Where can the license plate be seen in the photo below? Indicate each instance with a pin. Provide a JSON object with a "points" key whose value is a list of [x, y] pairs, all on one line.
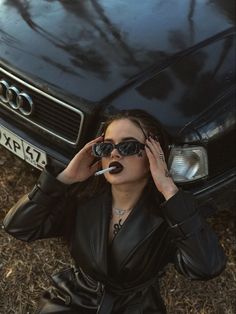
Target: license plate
{"points": [[34, 156]]}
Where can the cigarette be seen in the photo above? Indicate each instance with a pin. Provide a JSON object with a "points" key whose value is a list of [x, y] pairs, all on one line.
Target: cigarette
{"points": [[104, 170]]}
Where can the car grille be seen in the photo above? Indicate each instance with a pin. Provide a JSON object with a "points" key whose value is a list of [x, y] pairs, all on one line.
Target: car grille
{"points": [[50, 114]]}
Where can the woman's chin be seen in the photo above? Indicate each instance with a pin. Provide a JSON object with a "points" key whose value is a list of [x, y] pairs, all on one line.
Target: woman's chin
{"points": [[115, 178], [121, 179]]}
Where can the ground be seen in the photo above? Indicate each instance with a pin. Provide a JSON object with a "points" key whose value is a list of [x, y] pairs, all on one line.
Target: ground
{"points": [[24, 268]]}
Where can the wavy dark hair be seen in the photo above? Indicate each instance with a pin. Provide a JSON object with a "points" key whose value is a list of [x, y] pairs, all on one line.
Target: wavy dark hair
{"points": [[149, 126]]}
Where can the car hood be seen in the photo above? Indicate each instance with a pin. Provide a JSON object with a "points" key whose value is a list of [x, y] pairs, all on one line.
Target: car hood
{"points": [[89, 51]]}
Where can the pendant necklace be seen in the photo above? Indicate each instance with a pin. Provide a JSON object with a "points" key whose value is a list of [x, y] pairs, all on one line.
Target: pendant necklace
{"points": [[120, 213]]}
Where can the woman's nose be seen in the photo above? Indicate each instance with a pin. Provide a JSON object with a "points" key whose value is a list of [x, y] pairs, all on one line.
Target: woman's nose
{"points": [[115, 153]]}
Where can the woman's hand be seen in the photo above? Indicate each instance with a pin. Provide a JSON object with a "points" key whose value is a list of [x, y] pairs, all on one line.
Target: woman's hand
{"points": [[82, 166], [158, 168]]}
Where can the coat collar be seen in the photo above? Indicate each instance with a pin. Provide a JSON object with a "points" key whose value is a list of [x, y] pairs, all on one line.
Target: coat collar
{"points": [[139, 225]]}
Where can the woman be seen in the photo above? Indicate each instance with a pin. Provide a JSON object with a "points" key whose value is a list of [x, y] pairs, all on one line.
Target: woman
{"points": [[121, 231]]}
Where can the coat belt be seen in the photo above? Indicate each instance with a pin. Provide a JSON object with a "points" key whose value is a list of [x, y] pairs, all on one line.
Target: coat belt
{"points": [[110, 293]]}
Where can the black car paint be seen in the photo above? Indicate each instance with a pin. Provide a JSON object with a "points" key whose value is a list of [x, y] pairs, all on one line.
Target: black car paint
{"points": [[173, 58]]}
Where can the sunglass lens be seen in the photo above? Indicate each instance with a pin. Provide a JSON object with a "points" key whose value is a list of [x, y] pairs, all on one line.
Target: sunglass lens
{"points": [[106, 149], [128, 148], [102, 149]]}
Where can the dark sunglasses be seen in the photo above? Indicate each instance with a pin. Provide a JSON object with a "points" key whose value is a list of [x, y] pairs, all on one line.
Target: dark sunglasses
{"points": [[127, 148]]}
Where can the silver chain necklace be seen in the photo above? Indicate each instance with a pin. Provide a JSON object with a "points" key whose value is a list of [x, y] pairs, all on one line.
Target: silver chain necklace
{"points": [[120, 212]]}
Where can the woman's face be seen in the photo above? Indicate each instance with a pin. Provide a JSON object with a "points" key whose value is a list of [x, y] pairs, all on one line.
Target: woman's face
{"points": [[135, 167]]}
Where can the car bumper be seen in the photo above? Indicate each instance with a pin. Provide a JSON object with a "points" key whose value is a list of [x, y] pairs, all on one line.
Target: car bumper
{"points": [[219, 191]]}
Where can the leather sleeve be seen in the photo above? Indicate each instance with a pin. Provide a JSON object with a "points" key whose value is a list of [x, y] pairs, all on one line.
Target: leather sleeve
{"points": [[198, 253], [41, 213]]}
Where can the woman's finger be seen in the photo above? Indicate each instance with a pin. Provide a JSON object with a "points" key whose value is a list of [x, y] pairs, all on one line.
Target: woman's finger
{"points": [[156, 146], [96, 166], [149, 153], [157, 150], [153, 148], [156, 157], [97, 139], [151, 157], [88, 147]]}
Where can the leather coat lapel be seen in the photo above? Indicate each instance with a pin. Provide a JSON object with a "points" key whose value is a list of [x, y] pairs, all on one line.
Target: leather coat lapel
{"points": [[139, 225], [94, 221]]}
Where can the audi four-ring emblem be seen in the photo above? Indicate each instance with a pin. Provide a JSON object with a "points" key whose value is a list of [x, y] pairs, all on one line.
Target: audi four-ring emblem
{"points": [[16, 99]]}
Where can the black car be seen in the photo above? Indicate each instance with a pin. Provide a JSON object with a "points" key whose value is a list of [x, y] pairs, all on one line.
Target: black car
{"points": [[66, 65]]}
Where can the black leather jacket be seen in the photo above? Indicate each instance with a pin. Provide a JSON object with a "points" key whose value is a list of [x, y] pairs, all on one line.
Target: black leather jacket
{"points": [[121, 277]]}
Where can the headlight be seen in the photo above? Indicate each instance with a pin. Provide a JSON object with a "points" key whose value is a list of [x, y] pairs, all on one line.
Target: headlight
{"points": [[188, 163]]}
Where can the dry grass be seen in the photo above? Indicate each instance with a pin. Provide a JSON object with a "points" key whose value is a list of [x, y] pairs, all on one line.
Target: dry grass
{"points": [[24, 267]]}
